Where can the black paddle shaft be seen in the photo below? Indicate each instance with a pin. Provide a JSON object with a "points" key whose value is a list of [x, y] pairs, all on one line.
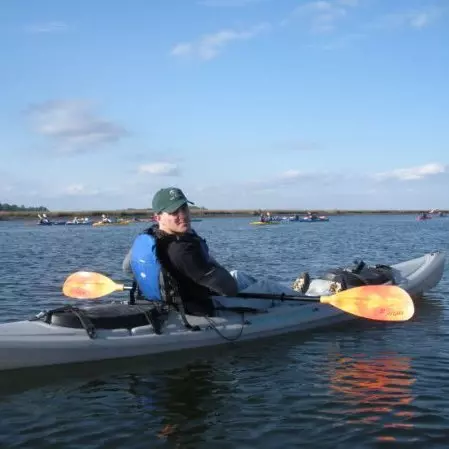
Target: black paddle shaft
{"points": [[281, 297]]}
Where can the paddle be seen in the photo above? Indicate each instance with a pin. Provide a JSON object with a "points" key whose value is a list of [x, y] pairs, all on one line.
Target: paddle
{"points": [[375, 302], [90, 285]]}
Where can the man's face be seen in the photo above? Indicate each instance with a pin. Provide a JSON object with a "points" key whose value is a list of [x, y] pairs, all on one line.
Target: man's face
{"points": [[178, 222]]}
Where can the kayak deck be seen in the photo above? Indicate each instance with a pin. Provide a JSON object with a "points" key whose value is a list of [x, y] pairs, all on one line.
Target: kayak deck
{"points": [[414, 275]]}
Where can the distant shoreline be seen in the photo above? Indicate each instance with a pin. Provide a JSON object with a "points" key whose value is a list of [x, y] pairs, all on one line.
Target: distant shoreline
{"points": [[197, 213]]}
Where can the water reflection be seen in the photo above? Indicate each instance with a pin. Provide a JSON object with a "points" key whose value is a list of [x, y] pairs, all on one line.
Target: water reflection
{"points": [[178, 405], [377, 391]]}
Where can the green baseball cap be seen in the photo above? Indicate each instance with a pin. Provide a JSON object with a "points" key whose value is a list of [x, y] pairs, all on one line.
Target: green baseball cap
{"points": [[168, 200]]}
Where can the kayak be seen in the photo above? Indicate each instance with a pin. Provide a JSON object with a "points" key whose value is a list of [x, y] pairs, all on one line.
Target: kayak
{"points": [[119, 330], [114, 223], [80, 223], [52, 223], [261, 223], [312, 220], [65, 223]]}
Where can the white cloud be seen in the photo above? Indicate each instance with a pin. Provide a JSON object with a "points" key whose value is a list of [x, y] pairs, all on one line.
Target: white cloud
{"points": [[210, 45], [416, 19], [73, 125], [421, 20], [48, 27], [159, 169], [322, 16], [74, 189], [291, 174], [79, 189], [413, 173]]}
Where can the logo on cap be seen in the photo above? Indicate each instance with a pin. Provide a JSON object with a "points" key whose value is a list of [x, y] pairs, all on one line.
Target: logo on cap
{"points": [[174, 194]]}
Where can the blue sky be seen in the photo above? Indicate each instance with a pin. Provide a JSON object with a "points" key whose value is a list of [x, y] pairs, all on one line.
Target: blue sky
{"points": [[241, 103]]}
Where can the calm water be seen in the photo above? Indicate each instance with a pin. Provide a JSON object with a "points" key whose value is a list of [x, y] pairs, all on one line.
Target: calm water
{"points": [[361, 385]]}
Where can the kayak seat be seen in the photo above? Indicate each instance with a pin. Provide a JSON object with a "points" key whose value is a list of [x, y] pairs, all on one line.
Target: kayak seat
{"points": [[104, 316]]}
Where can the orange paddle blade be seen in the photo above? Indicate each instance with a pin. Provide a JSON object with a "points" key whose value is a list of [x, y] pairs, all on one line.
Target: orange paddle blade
{"points": [[89, 285], [375, 302]]}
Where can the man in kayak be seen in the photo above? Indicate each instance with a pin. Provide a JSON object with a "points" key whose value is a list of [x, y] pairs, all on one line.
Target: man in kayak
{"points": [[105, 219], [43, 219], [171, 260]]}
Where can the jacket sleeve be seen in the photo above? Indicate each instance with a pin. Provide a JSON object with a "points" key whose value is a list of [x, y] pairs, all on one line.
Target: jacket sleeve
{"points": [[189, 259]]}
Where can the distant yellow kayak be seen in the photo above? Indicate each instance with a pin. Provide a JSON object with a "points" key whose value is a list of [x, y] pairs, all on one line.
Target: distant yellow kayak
{"points": [[115, 223], [260, 223]]}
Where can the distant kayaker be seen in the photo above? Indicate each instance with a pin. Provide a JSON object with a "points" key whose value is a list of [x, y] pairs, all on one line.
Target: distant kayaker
{"points": [[105, 219], [172, 251], [43, 219]]}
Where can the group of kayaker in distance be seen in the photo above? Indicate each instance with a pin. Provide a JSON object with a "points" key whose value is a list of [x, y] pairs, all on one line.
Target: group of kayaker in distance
{"points": [[266, 217], [428, 215], [104, 219], [43, 220]]}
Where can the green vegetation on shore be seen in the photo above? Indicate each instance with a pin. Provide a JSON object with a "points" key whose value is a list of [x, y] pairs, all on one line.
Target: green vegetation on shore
{"points": [[14, 208], [195, 212]]}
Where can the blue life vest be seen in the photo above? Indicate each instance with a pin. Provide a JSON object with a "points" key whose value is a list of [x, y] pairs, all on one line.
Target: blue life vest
{"points": [[146, 267]]}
